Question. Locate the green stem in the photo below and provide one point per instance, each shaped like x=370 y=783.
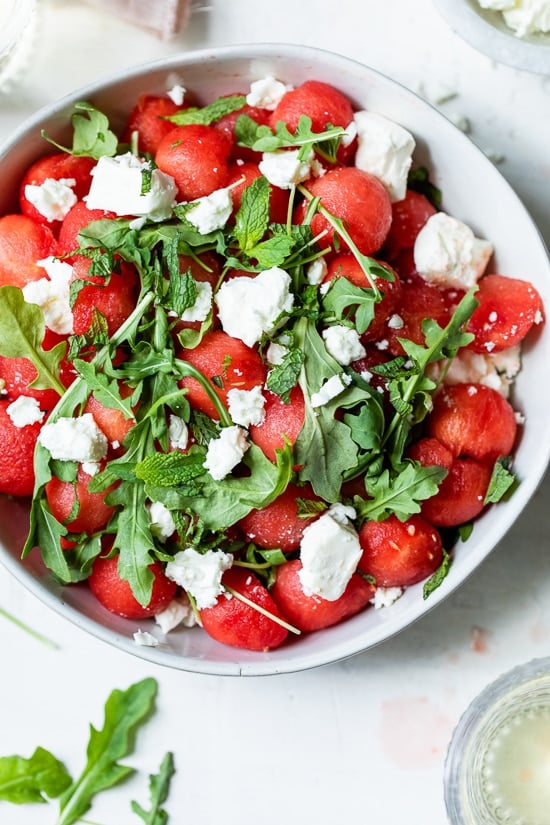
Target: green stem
x=34 y=633
x=263 y=611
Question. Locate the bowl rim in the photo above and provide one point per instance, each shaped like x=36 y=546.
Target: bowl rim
x=273 y=662
x=499 y=44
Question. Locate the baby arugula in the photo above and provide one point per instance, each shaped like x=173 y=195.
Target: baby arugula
x=42 y=777
x=351 y=435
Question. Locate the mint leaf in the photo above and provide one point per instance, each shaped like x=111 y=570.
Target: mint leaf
x=22 y=330
x=125 y=711
x=33 y=779
x=502 y=480
x=171 y=469
x=159 y=785
x=262 y=139
x=92 y=135
x=252 y=219
x=209 y=114
x=284 y=377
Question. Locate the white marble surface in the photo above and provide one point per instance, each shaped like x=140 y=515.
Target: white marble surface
x=363 y=740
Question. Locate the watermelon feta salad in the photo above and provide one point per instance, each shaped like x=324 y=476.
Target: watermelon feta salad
x=253 y=376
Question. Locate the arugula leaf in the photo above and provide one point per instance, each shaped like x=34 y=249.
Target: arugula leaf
x=125 y=711
x=105 y=391
x=411 y=390
x=209 y=114
x=33 y=779
x=133 y=538
x=343 y=294
x=437 y=578
x=502 y=480
x=223 y=503
x=22 y=330
x=399 y=494
x=324 y=448
x=159 y=785
x=92 y=136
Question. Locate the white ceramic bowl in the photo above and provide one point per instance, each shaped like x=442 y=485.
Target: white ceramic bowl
x=486 y=202
x=487 y=32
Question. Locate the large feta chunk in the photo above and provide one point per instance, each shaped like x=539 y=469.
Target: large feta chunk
x=52 y=295
x=329 y=552
x=267 y=92
x=74 y=439
x=225 y=452
x=200 y=574
x=524 y=17
x=285 y=168
x=447 y=253
x=497 y=370
x=343 y=343
x=53 y=198
x=117 y=186
x=25 y=411
x=211 y=212
x=250 y=307
x=246 y=407
x=384 y=150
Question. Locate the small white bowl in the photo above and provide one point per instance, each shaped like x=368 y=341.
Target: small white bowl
x=484 y=200
x=486 y=31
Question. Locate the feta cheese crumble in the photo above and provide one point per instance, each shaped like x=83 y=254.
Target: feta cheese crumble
x=74 y=439
x=250 y=307
x=284 y=168
x=267 y=92
x=447 y=253
x=316 y=271
x=385 y=596
x=275 y=353
x=178 y=433
x=179 y=611
x=200 y=574
x=53 y=198
x=211 y=212
x=385 y=151
x=343 y=343
x=25 y=411
x=162 y=523
x=145 y=639
x=497 y=371
x=330 y=389
x=329 y=552
x=117 y=187
x=202 y=306
x=177 y=94
x=52 y=295
x=524 y=17
x=246 y=407
x=225 y=452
